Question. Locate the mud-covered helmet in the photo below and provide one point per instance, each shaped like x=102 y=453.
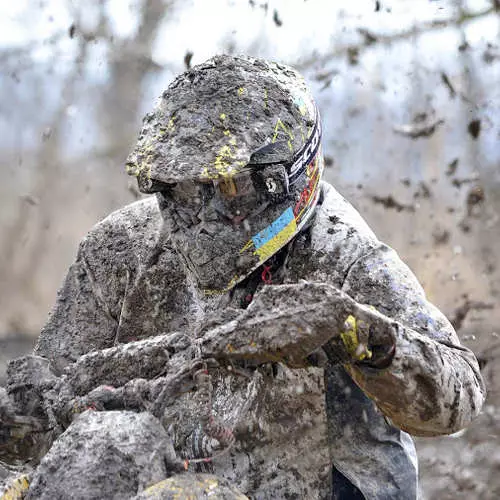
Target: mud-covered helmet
x=233 y=150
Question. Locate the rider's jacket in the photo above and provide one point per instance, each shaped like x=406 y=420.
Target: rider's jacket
x=128 y=283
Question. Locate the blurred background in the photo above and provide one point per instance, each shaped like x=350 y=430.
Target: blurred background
x=409 y=92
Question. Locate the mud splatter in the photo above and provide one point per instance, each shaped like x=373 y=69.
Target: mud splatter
x=452 y=167
x=474 y=128
x=461 y=312
x=390 y=203
x=475 y=198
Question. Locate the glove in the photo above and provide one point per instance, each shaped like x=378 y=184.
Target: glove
x=368 y=338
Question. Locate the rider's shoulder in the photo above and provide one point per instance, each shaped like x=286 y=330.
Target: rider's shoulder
x=338 y=222
x=134 y=226
x=137 y=216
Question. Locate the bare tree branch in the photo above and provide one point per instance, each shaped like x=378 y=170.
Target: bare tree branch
x=375 y=38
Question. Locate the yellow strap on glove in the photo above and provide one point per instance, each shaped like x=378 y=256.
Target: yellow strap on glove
x=17 y=489
x=355 y=338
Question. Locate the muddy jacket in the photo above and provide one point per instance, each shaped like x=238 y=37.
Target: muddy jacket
x=128 y=284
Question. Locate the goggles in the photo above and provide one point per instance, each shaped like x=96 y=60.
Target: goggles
x=240 y=195
x=269 y=178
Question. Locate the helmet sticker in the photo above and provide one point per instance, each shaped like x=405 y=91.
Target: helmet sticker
x=274 y=236
x=307 y=153
x=246 y=134
x=308 y=163
x=307 y=195
x=281 y=128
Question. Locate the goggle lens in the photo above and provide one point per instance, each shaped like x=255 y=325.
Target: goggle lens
x=267 y=183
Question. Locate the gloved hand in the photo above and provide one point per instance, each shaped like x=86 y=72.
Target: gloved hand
x=367 y=338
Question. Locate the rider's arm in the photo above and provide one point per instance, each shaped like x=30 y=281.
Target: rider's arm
x=80 y=321
x=432 y=385
x=91 y=307
x=86 y=313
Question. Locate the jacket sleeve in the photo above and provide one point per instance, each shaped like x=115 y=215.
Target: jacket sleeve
x=433 y=384
x=82 y=319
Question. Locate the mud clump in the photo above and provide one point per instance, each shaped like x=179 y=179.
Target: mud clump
x=441 y=236
x=423 y=191
x=390 y=203
x=474 y=128
x=452 y=167
x=475 y=198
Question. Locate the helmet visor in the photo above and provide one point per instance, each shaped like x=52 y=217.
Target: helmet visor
x=234 y=198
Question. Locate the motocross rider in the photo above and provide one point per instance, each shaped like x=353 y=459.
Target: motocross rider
x=232 y=154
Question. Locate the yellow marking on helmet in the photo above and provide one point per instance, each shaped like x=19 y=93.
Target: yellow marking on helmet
x=132 y=169
x=205 y=174
x=148 y=155
x=281 y=127
x=221 y=162
x=310 y=131
x=302 y=133
x=224 y=164
x=221 y=167
x=241 y=91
